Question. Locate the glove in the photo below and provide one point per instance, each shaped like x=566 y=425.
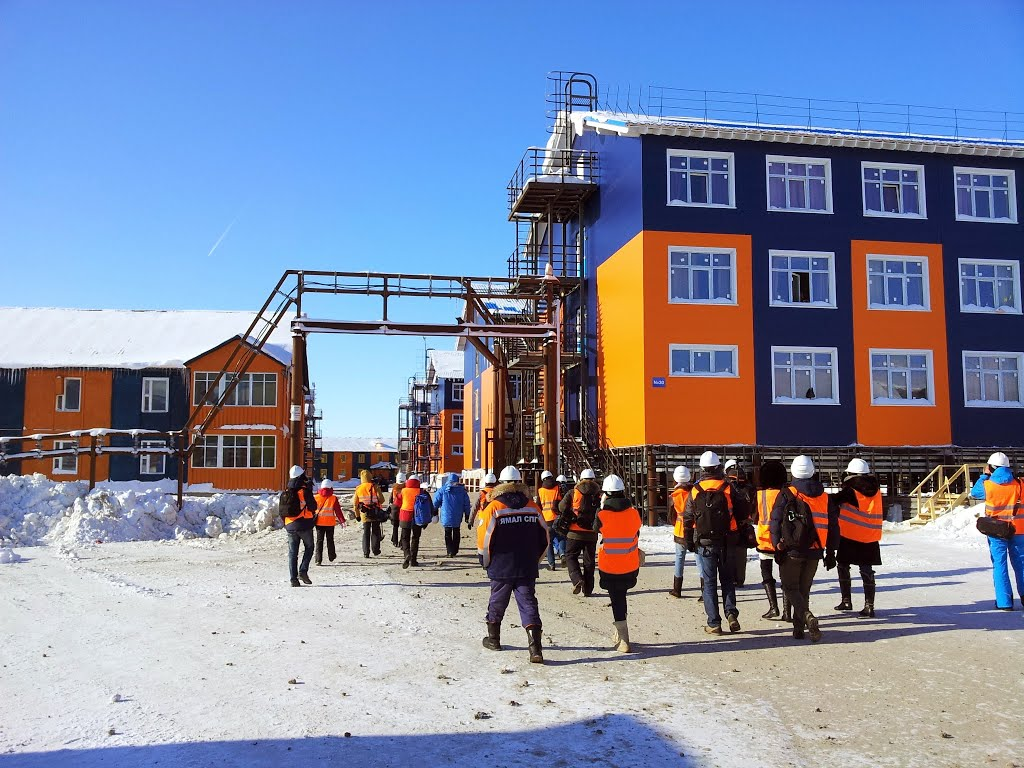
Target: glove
x=830 y=561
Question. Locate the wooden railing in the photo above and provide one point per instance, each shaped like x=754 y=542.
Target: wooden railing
x=952 y=487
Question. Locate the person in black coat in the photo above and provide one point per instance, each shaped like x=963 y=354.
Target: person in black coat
x=300 y=526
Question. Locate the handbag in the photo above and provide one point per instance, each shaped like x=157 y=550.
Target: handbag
x=996 y=528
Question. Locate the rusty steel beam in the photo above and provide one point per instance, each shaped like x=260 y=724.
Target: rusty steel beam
x=395 y=328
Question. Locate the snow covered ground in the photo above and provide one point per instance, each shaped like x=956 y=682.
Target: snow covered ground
x=191 y=650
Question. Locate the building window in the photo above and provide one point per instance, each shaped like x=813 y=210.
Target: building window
x=901 y=377
x=458 y=392
x=155 y=395
x=476 y=406
x=457 y=421
x=702 y=276
x=702 y=179
x=802 y=279
x=253 y=389
x=262 y=452
x=799 y=184
x=204 y=452
x=805 y=376
x=992 y=379
x=456 y=450
x=515 y=386
x=893 y=190
x=153 y=463
x=202 y=389
x=71 y=398
x=898 y=282
x=983 y=194
x=701 y=360
x=989 y=285
x=361 y=459
x=65 y=465
x=235 y=452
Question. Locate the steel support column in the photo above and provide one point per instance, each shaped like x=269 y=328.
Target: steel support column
x=296 y=416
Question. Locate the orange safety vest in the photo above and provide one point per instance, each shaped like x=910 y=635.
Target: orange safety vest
x=327 y=509
x=482 y=500
x=679 y=494
x=1003 y=502
x=549 y=498
x=619 y=551
x=713 y=485
x=765 y=501
x=863 y=522
x=305 y=513
x=819 y=511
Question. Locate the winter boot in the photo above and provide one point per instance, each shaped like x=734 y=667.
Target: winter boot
x=787 y=607
x=868 y=611
x=773 y=601
x=406 y=562
x=621 y=638
x=295 y=583
x=677 y=587
x=812 y=627
x=493 y=640
x=536 y=656
x=304 y=577
x=845 y=584
x=798 y=629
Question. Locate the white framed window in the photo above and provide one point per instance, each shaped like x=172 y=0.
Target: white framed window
x=155 y=394
x=803 y=279
x=702 y=360
x=65 y=465
x=253 y=389
x=153 y=463
x=205 y=452
x=801 y=184
x=989 y=285
x=902 y=377
x=71 y=397
x=457 y=450
x=985 y=194
x=893 y=190
x=262 y=451
x=701 y=179
x=458 y=392
x=457 y=422
x=235 y=451
x=992 y=379
x=476 y=406
x=702 y=275
x=203 y=391
x=898 y=282
x=805 y=376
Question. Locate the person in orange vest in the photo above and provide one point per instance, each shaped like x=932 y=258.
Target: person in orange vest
x=516 y=538
x=477 y=519
x=772 y=479
x=328 y=515
x=861 y=513
x=681 y=475
x=299 y=521
x=367 y=502
x=804 y=528
x=410 y=536
x=547 y=498
x=618 y=555
x=396 y=505
x=577 y=513
x=1003 y=495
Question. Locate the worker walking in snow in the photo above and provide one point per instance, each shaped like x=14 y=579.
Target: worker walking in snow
x=368 y=503
x=477 y=520
x=742 y=487
x=618 y=555
x=576 y=517
x=516 y=538
x=328 y=515
x=860 y=530
x=452 y=503
x=416 y=506
x=396 y=506
x=1003 y=525
x=772 y=480
x=299 y=521
x=547 y=498
x=679 y=494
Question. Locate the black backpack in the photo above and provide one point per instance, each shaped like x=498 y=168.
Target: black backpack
x=288 y=503
x=796 y=530
x=589 y=505
x=711 y=513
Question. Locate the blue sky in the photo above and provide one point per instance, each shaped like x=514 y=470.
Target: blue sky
x=377 y=136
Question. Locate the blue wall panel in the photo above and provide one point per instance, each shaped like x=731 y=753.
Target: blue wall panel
x=12 y=412
x=126 y=413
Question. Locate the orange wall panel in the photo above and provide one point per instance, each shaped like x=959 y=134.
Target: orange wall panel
x=900 y=329
x=486 y=395
x=467 y=435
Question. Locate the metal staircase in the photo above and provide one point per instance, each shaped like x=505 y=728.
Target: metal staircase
x=945 y=488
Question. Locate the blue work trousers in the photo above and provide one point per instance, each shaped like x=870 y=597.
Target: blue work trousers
x=1001 y=551
x=294 y=537
x=717 y=568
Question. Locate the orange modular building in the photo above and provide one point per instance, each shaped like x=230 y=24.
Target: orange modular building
x=432 y=421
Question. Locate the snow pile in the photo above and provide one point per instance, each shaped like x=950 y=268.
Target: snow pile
x=959 y=525
x=35 y=510
x=8 y=555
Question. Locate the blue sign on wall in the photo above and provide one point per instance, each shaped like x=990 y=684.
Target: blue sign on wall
x=658 y=382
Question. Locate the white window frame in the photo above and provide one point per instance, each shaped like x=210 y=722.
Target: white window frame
x=712 y=348
x=219 y=448
x=975 y=309
x=58 y=461
x=731 y=173
x=147 y=394
x=929 y=403
x=1012 y=194
x=461 y=422
x=710 y=251
x=244 y=385
x=833 y=351
x=62 y=397
x=897 y=307
x=830 y=255
x=865 y=165
x=827 y=162
x=458 y=392
x=994 y=403
x=457 y=450
x=146 y=460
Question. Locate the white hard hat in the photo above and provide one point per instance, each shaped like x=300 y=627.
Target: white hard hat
x=545 y=475
x=613 y=483
x=588 y=474
x=858 y=467
x=325 y=484
x=802 y=467
x=999 y=459
x=709 y=459
x=400 y=477
x=681 y=475
x=561 y=479
x=730 y=464
x=296 y=471
x=490 y=479
x=510 y=475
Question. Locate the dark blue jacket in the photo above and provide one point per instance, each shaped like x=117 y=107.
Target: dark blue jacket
x=452 y=501
x=516 y=537
x=304 y=486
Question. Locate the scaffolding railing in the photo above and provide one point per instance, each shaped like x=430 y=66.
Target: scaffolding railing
x=552 y=166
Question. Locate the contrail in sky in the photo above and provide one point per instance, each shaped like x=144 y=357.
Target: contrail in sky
x=221 y=238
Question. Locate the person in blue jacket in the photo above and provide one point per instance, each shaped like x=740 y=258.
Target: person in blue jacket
x=452 y=502
x=1002 y=494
